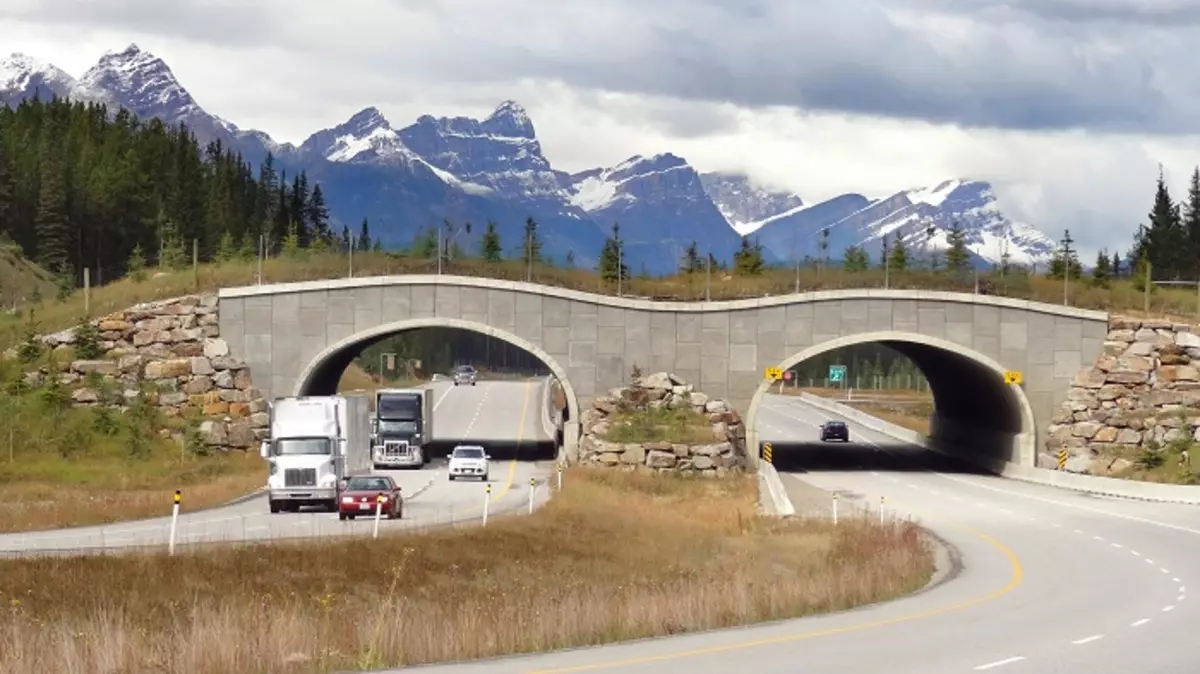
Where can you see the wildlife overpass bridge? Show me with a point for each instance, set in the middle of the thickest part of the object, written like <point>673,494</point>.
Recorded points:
<point>298,338</point>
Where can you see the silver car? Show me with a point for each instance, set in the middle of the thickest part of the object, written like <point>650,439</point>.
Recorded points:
<point>464,374</point>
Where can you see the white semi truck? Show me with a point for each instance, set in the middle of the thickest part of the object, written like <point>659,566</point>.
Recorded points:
<point>316,442</point>
<point>403,427</point>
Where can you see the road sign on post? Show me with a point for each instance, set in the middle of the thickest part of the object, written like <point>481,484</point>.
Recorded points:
<point>773,374</point>
<point>766,452</point>
<point>1062,459</point>
<point>1013,377</point>
<point>837,373</point>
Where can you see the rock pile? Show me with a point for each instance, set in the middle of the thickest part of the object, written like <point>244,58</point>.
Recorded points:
<point>725,453</point>
<point>172,350</point>
<point>1142,393</point>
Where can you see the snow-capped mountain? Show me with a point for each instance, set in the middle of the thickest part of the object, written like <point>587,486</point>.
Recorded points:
<point>744,204</point>
<point>468,170</point>
<point>922,218</point>
<point>24,77</point>
<point>660,204</point>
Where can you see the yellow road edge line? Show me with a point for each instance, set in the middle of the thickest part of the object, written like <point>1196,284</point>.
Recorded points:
<point>512,466</point>
<point>1018,575</point>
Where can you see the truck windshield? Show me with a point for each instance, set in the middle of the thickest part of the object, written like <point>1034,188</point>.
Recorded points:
<point>388,427</point>
<point>301,447</point>
<point>399,407</point>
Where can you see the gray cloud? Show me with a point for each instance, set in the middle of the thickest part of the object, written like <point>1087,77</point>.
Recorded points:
<point>1106,65</point>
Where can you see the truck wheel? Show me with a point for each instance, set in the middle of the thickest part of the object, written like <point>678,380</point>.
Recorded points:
<point>342,516</point>
<point>451,478</point>
<point>274,507</point>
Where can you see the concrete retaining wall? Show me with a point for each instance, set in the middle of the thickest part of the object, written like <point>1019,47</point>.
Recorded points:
<point>1102,486</point>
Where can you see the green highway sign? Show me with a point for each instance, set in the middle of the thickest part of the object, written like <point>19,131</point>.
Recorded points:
<point>837,373</point>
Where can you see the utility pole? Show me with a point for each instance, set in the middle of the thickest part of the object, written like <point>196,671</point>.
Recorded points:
<point>439,251</point>
<point>620,275</point>
<point>708,278</point>
<point>529,256</point>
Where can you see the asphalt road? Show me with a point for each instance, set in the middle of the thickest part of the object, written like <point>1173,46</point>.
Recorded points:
<point>504,416</point>
<point>1047,581</point>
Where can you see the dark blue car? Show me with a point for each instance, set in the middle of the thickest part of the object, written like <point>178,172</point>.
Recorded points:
<point>835,430</point>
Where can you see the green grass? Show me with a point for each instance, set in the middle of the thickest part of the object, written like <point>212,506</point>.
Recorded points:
<point>660,425</point>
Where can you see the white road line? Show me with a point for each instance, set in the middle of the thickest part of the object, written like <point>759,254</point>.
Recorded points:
<point>1079,531</point>
<point>1088,640</point>
<point>1167,608</point>
<point>1099,538</point>
<point>1135,553</point>
<point>1164,571</point>
<point>1116,545</point>
<point>1181,597</point>
<point>1000,663</point>
<point>1139,623</point>
<point>1182,588</point>
<point>1176,580</point>
<point>441,398</point>
<point>1149,561</point>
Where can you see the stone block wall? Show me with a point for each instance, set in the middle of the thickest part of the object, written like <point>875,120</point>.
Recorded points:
<point>726,452</point>
<point>1141,394</point>
<point>172,349</point>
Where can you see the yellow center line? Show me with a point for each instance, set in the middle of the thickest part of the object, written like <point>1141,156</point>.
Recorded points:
<point>1018,574</point>
<point>512,465</point>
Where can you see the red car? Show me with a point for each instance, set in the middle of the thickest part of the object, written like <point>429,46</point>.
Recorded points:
<point>360,494</point>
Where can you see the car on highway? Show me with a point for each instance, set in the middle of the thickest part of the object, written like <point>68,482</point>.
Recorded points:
<point>469,461</point>
<point>360,494</point>
<point>465,374</point>
<point>835,430</point>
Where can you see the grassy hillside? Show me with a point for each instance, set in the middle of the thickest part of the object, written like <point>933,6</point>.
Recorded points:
<point>21,280</point>
<point>1120,296</point>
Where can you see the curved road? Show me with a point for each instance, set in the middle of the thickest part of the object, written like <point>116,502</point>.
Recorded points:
<point>1049,581</point>
<point>501,414</point>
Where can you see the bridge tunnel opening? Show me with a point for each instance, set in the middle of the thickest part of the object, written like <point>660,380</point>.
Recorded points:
<point>485,387</point>
<point>956,399</point>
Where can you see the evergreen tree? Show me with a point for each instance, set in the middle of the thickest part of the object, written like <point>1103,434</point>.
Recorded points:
<point>425,244</point>
<point>748,260</point>
<point>318,215</point>
<point>855,259</point>
<point>346,238</point>
<point>1191,225</point>
<point>490,248</point>
<point>1065,259</point>
<point>531,244</point>
<point>611,265</point>
<point>364,237</point>
<point>1102,272</point>
<point>6,194</point>
<point>823,246</point>
<point>51,220</point>
<point>570,259</point>
<point>691,262</point>
<point>884,252</point>
<point>958,257</point>
<point>898,256</point>
<point>1116,265</point>
<point>1163,241</point>
<point>226,248</point>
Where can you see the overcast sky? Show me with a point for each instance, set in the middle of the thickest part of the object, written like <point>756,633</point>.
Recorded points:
<point>1066,106</point>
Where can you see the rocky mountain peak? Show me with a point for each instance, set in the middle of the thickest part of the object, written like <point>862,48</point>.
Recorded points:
<point>511,120</point>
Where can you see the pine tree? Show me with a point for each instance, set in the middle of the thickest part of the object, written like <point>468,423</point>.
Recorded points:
<point>1116,265</point>
<point>51,221</point>
<point>748,260</point>
<point>1164,240</point>
<point>823,246</point>
<point>898,256</point>
<point>531,244</point>
<point>6,195</point>
<point>489,246</point>
<point>318,215</point>
<point>1102,272</point>
<point>691,262</point>
<point>290,246</point>
<point>1191,223</point>
<point>958,257</point>
<point>226,248</point>
<point>854,259</point>
<point>570,259</point>
<point>425,244</point>
<point>364,237</point>
<point>611,265</point>
<point>884,252</point>
<point>346,240</point>
<point>136,266</point>
<point>1065,259</point>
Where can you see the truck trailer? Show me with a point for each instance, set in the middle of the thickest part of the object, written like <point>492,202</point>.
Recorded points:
<point>316,442</point>
<point>403,427</point>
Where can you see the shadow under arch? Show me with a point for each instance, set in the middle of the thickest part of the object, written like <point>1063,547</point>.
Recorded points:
<point>976,414</point>
<point>321,375</point>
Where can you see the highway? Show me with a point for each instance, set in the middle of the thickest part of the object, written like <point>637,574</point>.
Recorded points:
<point>1044,581</point>
<point>504,416</point>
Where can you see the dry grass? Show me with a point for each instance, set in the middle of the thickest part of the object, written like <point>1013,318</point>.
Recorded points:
<point>1178,303</point>
<point>50,493</point>
<point>616,556</point>
<point>914,418</point>
<point>899,396</point>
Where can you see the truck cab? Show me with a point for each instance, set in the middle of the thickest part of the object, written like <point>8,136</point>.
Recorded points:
<point>401,428</point>
<point>315,442</point>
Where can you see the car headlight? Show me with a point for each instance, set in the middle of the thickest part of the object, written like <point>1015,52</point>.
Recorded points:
<point>347,499</point>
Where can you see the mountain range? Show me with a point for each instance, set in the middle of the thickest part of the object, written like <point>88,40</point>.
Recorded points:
<point>459,169</point>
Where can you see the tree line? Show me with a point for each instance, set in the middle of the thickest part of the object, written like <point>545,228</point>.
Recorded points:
<point>84,187</point>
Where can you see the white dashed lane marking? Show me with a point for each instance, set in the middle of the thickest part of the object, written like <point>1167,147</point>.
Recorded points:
<point>1088,640</point>
<point>1139,623</point>
<point>1000,663</point>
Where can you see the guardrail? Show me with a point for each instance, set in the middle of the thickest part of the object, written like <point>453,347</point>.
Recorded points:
<point>772,496</point>
<point>1089,484</point>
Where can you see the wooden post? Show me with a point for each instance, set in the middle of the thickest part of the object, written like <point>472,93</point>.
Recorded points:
<point>196,263</point>
<point>87,292</point>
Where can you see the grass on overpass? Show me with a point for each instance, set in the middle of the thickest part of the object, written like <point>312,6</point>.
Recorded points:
<point>615,556</point>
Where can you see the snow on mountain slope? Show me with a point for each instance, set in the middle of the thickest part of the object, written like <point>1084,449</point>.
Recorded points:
<point>661,206</point>
<point>745,205</point>
<point>140,81</point>
<point>22,77</point>
<point>922,217</point>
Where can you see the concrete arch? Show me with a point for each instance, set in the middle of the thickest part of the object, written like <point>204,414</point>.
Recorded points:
<point>972,403</point>
<point>326,368</point>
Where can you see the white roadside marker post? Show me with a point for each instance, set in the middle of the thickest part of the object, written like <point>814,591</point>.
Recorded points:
<point>378,515</point>
<point>532,488</point>
<point>835,500</point>
<point>174,522</point>
<point>487,500</point>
